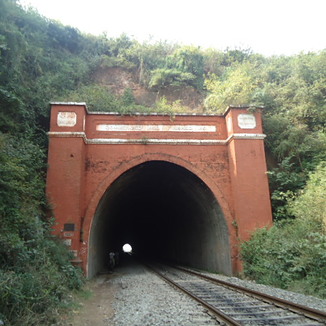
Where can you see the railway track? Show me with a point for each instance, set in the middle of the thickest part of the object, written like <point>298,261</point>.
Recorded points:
<point>236,305</point>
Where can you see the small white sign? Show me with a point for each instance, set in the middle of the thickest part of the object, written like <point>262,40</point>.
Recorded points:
<point>66,119</point>
<point>246,121</point>
<point>165,128</point>
<point>68,234</point>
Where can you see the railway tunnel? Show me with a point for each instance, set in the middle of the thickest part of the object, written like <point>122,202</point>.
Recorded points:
<point>165,212</point>
<point>187,188</point>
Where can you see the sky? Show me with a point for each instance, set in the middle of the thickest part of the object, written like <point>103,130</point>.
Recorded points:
<point>268,27</point>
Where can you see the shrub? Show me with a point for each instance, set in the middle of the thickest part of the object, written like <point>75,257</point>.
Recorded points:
<point>310,204</point>
<point>35,272</point>
<point>163,106</point>
<point>163,77</point>
<point>290,255</point>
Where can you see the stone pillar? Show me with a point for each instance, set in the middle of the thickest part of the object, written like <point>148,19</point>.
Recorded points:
<point>248,172</point>
<point>66,171</point>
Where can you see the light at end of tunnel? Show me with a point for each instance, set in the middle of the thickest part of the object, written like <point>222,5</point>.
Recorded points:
<point>127,248</point>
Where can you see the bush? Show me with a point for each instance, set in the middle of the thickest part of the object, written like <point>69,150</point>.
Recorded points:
<point>290,255</point>
<point>163,106</point>
<point>35,272</point>
<point>100,99</point>
<point>310,205</point>
<point>163,77</point>
<point>33,293</point>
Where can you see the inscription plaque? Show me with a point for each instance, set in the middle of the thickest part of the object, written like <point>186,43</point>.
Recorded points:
<point>66,119</point>
<point>68,234</point>
<point>166,128</point>
<point>246,121</point>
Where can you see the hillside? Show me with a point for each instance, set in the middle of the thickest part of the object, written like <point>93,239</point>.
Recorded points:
<point>117,79</point>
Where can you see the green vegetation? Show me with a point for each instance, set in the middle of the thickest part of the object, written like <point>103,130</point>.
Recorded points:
<point>292,254</point>
<point>35,273</point>
<point>42,61</point>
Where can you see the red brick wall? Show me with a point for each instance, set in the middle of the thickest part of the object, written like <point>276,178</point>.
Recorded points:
<point>88,151</point>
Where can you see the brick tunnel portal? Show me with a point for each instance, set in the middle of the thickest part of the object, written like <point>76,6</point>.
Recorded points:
<point>165,212</point>
<point>188,188</point>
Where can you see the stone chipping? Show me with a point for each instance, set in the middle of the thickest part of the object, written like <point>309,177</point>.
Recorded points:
<point>143,298</point>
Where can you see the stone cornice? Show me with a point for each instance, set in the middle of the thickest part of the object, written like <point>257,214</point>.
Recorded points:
<point>154,141</point>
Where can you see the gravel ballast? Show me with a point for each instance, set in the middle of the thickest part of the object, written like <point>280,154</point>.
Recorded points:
<point>142,298</point>
<point>298,298</point>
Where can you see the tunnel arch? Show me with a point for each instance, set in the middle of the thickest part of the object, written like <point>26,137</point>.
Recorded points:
<point>146,157</point>
<point>200,240</point>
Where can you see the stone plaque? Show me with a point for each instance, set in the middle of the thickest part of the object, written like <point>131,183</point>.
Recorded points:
<point>246,121</point>
<point>166,128</point>
<point>68,234</point>
<point>66,119</point>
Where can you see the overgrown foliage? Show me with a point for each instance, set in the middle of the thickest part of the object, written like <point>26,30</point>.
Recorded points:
<point>42,61</point>
<point>292,254</point>
<point>310,203</point>
<point>35,273</point>
<point>35,270</point>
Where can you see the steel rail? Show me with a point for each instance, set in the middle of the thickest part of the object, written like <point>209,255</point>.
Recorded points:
<point>315,314</point>
<point>220,315</point>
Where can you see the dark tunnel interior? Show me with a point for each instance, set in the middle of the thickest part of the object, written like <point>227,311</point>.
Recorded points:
<point>165,212</point>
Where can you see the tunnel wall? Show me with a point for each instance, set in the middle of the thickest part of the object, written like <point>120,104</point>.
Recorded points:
<point>89,151</point>
<point>97,246</point>
<point>165,212</point>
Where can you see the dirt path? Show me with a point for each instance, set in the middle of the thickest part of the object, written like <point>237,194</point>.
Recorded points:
<point>96,310</point>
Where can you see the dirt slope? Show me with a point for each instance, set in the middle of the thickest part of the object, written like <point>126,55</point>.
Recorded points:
<point>118,79</point>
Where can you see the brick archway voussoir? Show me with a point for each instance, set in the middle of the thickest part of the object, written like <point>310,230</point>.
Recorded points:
<point>147,157</point>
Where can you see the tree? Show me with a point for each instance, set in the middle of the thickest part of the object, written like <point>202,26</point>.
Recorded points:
<point>310,204</point>
<point>189,60</point>
<point>236,87</point>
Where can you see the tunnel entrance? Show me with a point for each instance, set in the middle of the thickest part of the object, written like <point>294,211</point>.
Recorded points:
<point>202,191</point>
<point>163,211</point>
